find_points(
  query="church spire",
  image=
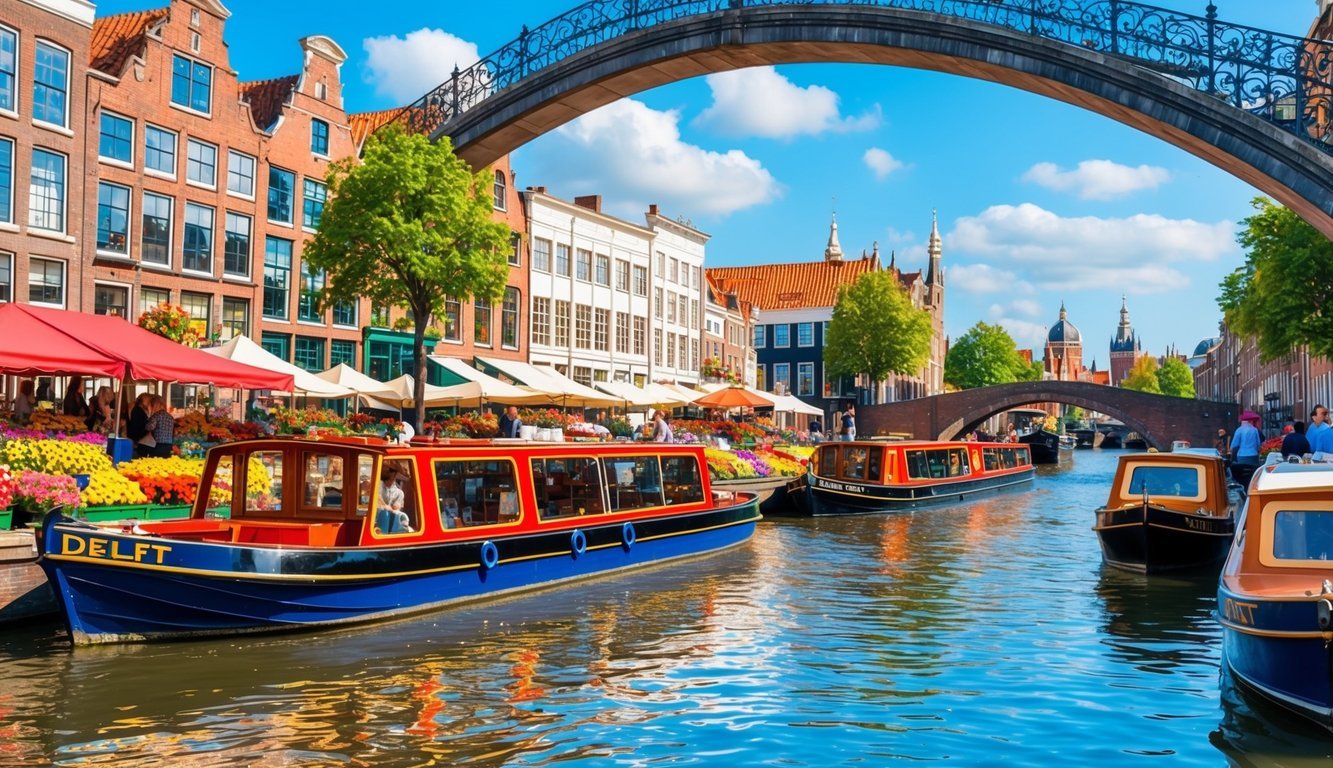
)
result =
(935, 275)
(834, 250)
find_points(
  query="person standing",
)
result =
(74, 404)
(25, 402)
(849, 424)
(1320, 432)
(1245, 448)
(1223, 444)
(137, 428)
(1295, 442)
(661, 429)
(100, 411)
(816, 430)
(162, 427)
(510, 424)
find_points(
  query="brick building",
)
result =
(1280, 390)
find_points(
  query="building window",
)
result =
(481, 323)
(603, 270)
(312, 209)
(832, 386)
(657, 303)
(583, 264)
(319, 137)
(159, 150)
(562, 324)
(322, 93)
(199, 306)
(191, 84)
(46, 191)
(498, 191)
(671, 308)
(344, 314)
(509, 319)
(657, 346)
(277, 277)
(342, 353)
(113, 218)
(9, 49)
(155, 239)
(201, 162)
(759, 336)
(7, 181)
(197, 250)
(674, 274)
(236, 249)
(453, 319)
(6, 275)
(117, 139)
(805, 334)
(46, 282)
(309, 353)
(805, 379)
(640, 281)
(152, 298)
(583, 326)
(541, 254)
(235, 318)
(278, 344)
(640, 334)
(50, 84)
(541, 321)
(781, 335)
(601, 329)
(307, 306)
(111, 300)
(684, 312)
(622, 275)
(781, 377)
(281, 185)
(670, 350)
(240, 173)
(583, 375)
(562, 259)
(515, 249)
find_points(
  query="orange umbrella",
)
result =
(732, 397)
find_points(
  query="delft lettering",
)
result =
(1241, 613)
(113, 549)
(832, 486)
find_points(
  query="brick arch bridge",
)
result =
(1159, 418)
(1251, 102)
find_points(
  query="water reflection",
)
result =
(1257, 734)
(1160, 624)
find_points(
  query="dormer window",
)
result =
(319, 137)
(321, 91)
(499, 191)
(194, 17)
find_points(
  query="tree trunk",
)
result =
(422, 316)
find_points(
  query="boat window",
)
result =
(873, 459)
(828, 460)
(990, 458)
(567, 486)
(1165, 481)
(917, 466)
(323, 480)
(938, 463)
(681, 481)
(957, 462)
(365, 483)
(219, 491)
(633, 482)
(263, 482)
(396, 499)
(853, 463)
(1021, 454)
(476, 492)
(1303, 534)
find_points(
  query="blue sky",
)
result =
(1039, 202)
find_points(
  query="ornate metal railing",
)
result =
(1280, 78)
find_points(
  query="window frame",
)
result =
(12, 108)
(227, 217)
(276, 171)
(801, 330)
(189, 103)
(318, 137)
(156, 130)
(7, 273)
(127, 162)
(310, 222)
(64, 281)
(191, 162)
(143, 228)
(128, 213)
(185, 236)
(284, 269)
(62, 185)
(7, 191)
(38, 83)
(254, 163)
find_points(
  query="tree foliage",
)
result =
(985, 356)
(1175, 378)
(1143, 376)
(1279, 294)
(876, 331)
(407, 226)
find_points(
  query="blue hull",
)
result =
(1274, 648)
(196, 589)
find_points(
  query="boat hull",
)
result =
(1274, 648)
(1148, 538)
(1045, 446)
(121, 587)
(816, 496)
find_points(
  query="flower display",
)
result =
(39, 491)
(108, 487)
(50, 421)
(298, 421)
(8, 484)
(58, 457)
(761, 467)
(712, 367)
(725, 465)
(1270, 445)
(8, 432)
(547, 418)
(170, 322)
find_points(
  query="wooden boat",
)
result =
(1045, 446)
(318, 535)
(873, 476)
(1275, 594)
(1167, 512)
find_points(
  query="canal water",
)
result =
(987, 634)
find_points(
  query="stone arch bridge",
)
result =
(1251, 102)
(1158, 418)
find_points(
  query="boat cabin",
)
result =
(1187, 481)
(895, 463)
(1288, 527)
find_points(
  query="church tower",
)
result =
(833, 252)
(1063, 359)
(934, 302)
(1125, 349)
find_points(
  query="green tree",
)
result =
(1143, 376)
(1279, 295)
(876, 331)
(983, 357)
(407, 226)
(1175, 378)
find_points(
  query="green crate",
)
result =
(167, 511)
(6, 519)
(111, 512)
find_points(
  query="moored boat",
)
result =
(1167, 512)
(880, 476)
(338, 531)
(1275, 594)
(1044, 444)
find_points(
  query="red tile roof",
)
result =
(791, 286)
(267, 97)
(117, 38)
(365, 123)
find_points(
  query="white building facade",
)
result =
(678, 291)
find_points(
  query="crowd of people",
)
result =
(147, 422)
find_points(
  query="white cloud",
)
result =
(1098, 179)
(881, 162)
(633, 155)
(760, 102)
(1025, 333)
(1136, 254)
(1026, 307)
(405, 68)
(979, 278)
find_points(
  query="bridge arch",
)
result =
(1158, 418)
(1211, 95)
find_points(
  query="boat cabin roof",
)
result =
(1284, 476)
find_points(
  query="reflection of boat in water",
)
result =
(1255, 733)
(1167, 622)
(1165, 512)
(1275, 596)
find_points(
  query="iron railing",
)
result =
(1281, 78)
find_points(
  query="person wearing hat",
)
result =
(1245, 448)
(1223, 444)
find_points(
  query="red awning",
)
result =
(28, 347)
(144, 356)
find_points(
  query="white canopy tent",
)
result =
(792, 404)
(492, 389)
(400, 394)
(364, 386)
(632, 396)
(547, 380)
(242, 349)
